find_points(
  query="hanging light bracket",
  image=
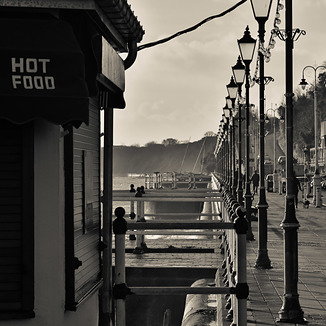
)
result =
(283, 35)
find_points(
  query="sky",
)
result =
(178, 89)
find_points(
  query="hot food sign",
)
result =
(42, 71)
(31, 73)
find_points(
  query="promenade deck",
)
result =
(266, 285)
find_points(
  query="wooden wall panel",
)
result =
(87, 202)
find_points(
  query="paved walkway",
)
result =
(266, 286)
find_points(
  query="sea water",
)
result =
(123, 183)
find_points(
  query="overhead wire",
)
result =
(192, 28)
(266, 51)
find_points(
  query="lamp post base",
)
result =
(317, 190)
(263, 261)
(291, 311)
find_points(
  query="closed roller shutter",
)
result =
(16, 221)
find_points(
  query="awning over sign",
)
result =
(42, 72)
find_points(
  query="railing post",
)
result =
(132, 216)
(174, 181)
(140, 243)
(242, 289)
(132, 207)
(139, 236)
(120, 289)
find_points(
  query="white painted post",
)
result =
(242, 291)
(132, 216)
(142, 218)
(132, 206)
(174, 182)
(139, 237)
(120, 277)
(120, 229)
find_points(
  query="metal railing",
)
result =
(233, 246)
(233, 273)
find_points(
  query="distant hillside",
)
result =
(191, 157)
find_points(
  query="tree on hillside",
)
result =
(321, 94)
(209, 134)
(209, 163)
(303, 113)
(151, 143)
(169, 142)
(303, 120)
(303, 123)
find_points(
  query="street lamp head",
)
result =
(239, 72)
(221, 125)
(303, 83)
(232, 89)
(228, 103)
(247, 46)
(261, 9)
(226, 111)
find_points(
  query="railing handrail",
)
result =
(168, 199)
(172, 224)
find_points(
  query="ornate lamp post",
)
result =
(290, 311)
(305, 165)
(247, 47)
(232, 89)
(261, 9)
(275, 179)
(219, 151)
(226, 151)
(239, 72)
(254, 132)
(316, 177)
(226, 117)
(222, 150)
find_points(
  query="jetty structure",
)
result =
(181, 268)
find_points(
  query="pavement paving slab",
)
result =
(266, 285)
